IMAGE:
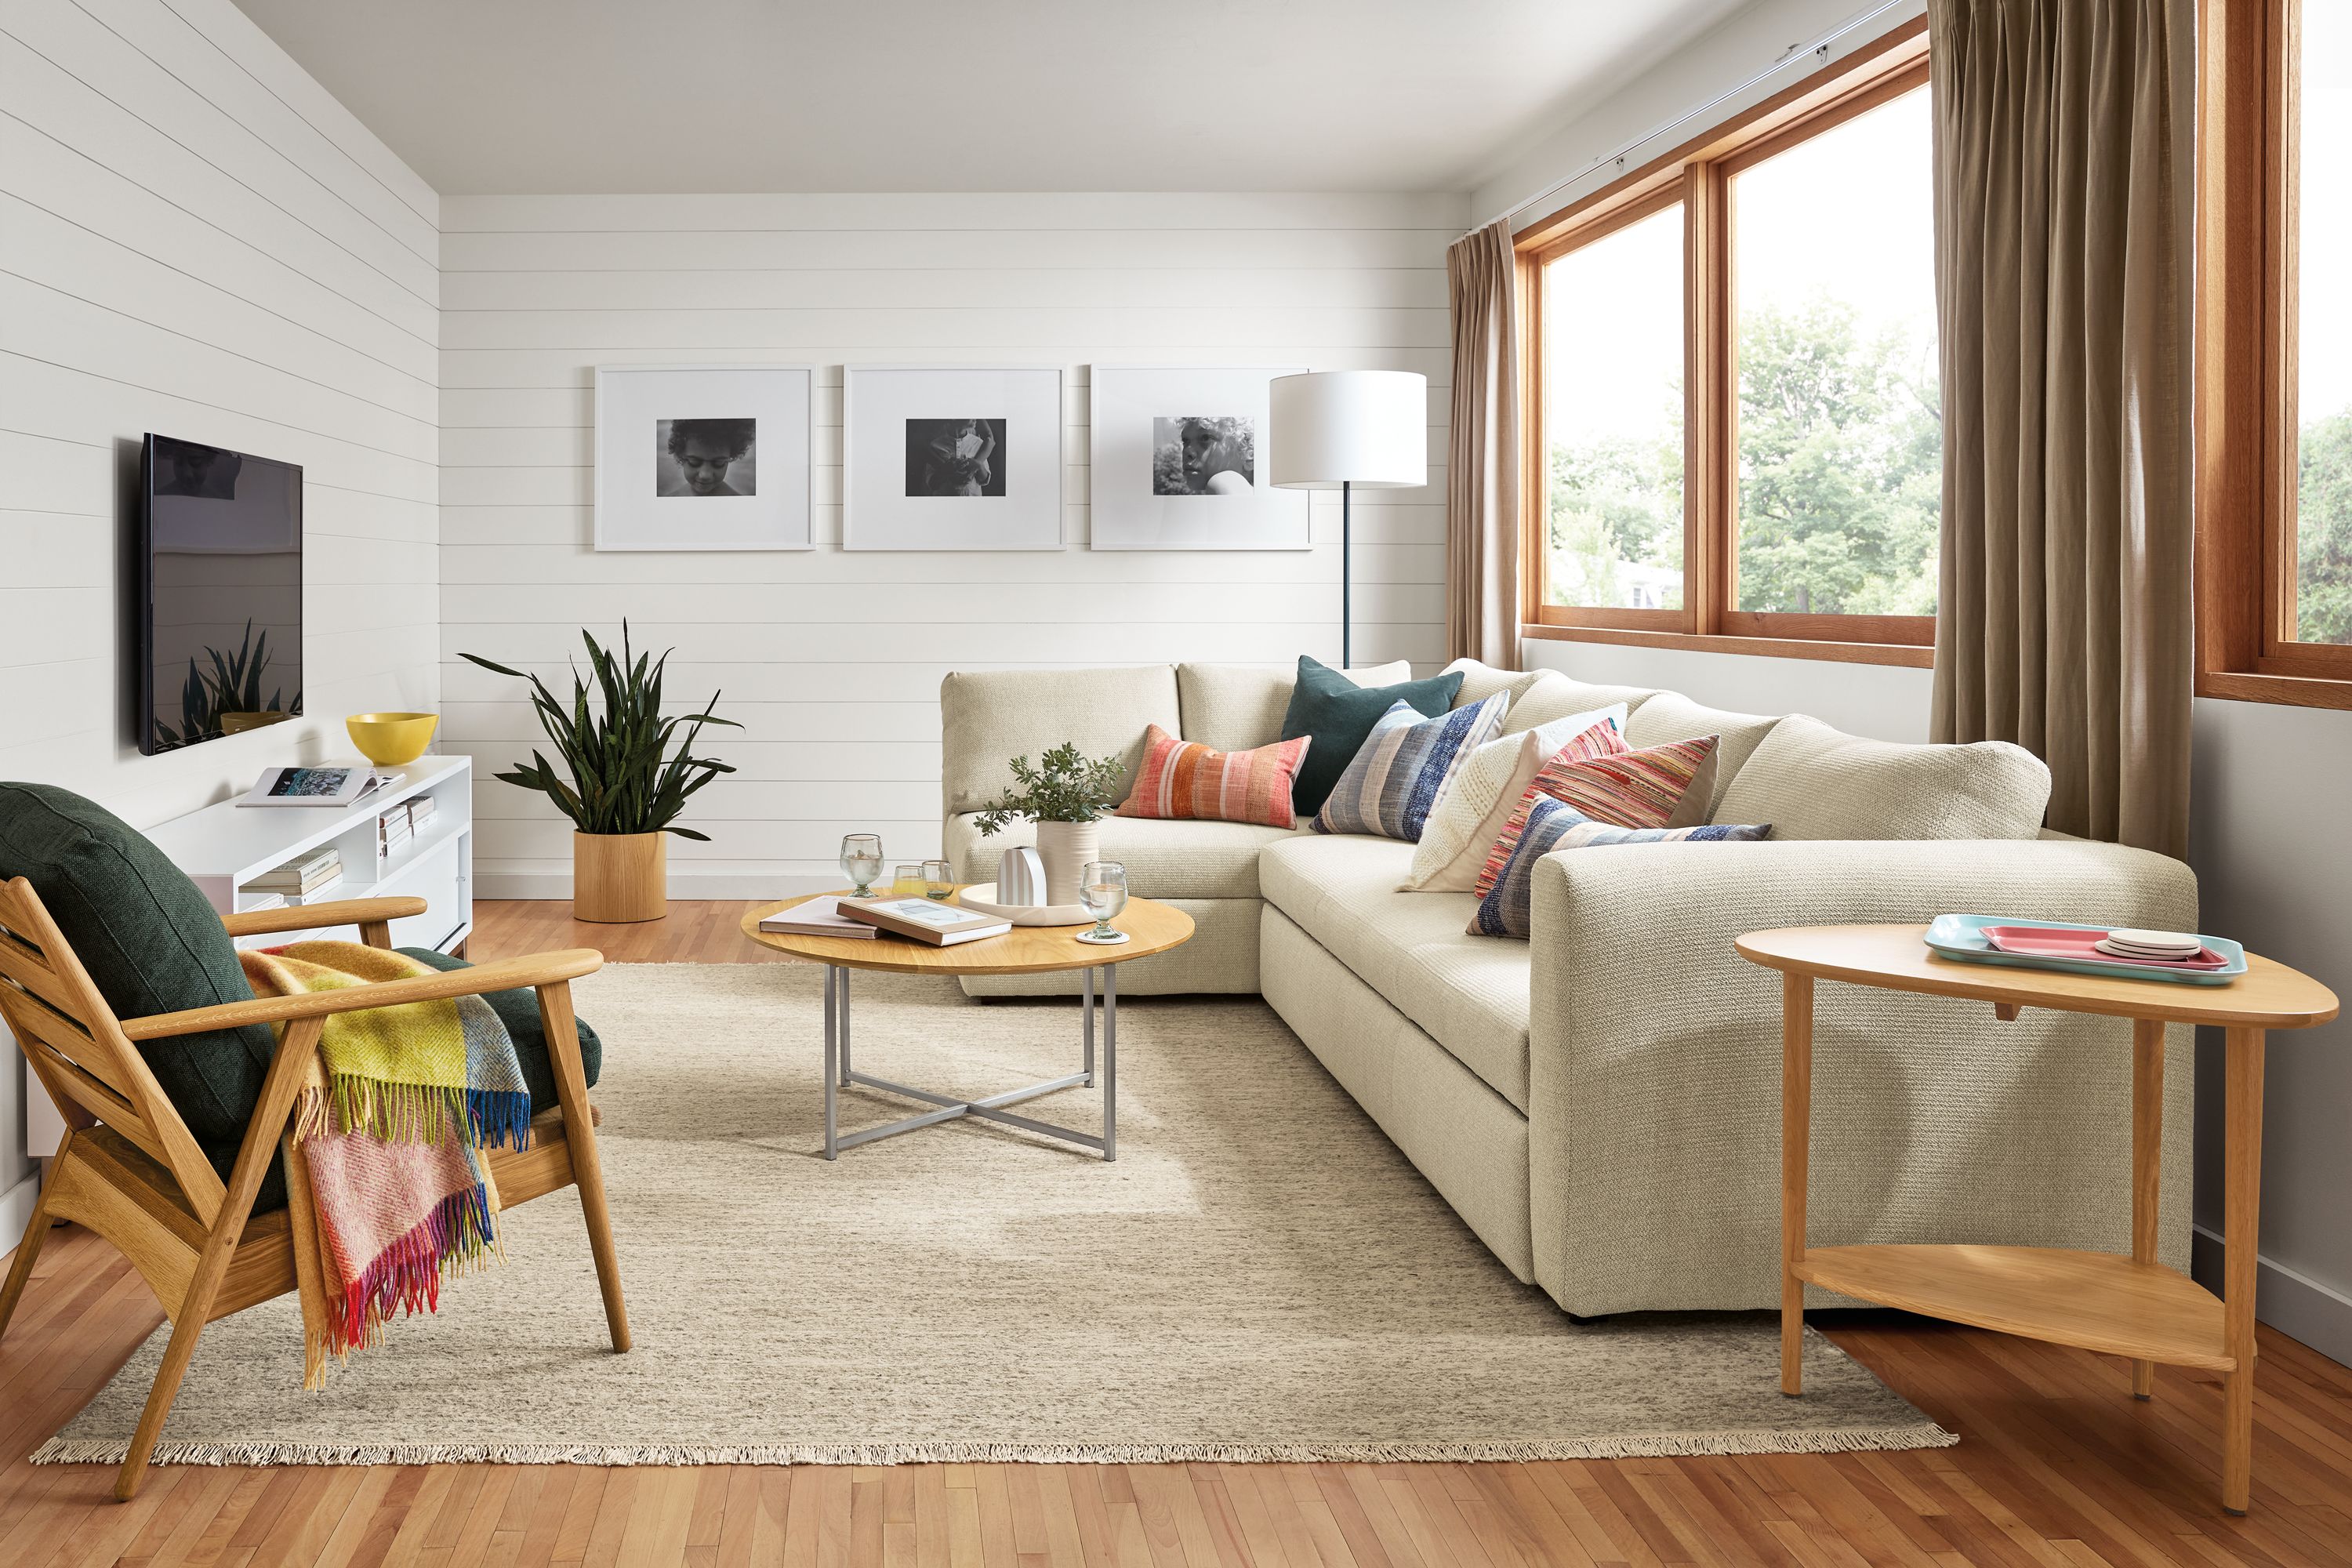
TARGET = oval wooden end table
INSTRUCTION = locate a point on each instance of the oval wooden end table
(1151, 926)
(2134, 1306)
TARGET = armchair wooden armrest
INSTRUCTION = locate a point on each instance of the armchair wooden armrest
(505, 975)
(361, 912)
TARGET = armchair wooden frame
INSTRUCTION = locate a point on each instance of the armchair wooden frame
(130, 1169)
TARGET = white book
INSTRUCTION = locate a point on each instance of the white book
(817, 917)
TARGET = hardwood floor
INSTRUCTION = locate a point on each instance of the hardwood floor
(2058, 1466)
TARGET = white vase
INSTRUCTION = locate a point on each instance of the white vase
(1021, 878)
(1067, 848)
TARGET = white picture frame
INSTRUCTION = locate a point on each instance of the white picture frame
(1148, 426)
(648, 497)
(951, 457)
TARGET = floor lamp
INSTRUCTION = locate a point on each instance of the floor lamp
(1336, 429)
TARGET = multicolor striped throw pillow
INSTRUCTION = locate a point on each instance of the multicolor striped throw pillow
(1187, 779)
(1504, 909)
(1618, 787)
(1401, 770)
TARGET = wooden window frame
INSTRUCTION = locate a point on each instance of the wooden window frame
(1697, 176)
(2246, 418)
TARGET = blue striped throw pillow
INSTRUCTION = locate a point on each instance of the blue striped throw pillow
(1556, 825)
(1403, 769)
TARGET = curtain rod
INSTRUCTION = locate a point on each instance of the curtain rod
(1819, 47)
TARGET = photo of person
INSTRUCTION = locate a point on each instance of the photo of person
(1204, 455)
(706, 457)
(955, 457)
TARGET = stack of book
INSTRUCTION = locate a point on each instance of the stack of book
(304, 880)
(817, 917)
(920, 919)
(420, 815)
(392, 831)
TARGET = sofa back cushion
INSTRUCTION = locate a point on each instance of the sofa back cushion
(1236, 707)
(1480, 680)
(149, 942)
(989, 717)
(1670, 716)
(1550, 697)
(1809, 780)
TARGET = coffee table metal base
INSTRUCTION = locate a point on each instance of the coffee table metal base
(839, 1075)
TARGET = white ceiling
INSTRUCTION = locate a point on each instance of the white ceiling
(609, 96)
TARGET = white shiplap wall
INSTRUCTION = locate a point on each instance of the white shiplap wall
(834, 661)
(196, 240)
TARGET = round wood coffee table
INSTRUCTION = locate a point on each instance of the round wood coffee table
(1151, 926)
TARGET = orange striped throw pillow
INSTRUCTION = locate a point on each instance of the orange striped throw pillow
(1595, 774)
(1185, 778)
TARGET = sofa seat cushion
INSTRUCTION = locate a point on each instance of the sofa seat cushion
(1164, 860)
(1812, 782)
(1468, 995)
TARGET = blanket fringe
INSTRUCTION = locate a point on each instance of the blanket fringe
(456, 1237)
(414, 1113)
(1654, 1445)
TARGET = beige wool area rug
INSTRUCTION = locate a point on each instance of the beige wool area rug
(1259, 1275)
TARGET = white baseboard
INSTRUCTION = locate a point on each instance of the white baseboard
(682, 885)
(15, 1210)
(2295, 1304)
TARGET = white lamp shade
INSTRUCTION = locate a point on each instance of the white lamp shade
(1366, 427)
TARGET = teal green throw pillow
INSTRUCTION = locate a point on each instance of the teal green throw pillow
(151, 944)
(1339, 715)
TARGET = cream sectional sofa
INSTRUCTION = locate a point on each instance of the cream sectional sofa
(1601, 1104)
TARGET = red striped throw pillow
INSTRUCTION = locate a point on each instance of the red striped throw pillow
(1598, 776)
(1187, 779)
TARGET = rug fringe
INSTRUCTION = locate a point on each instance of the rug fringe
(1656, 1446)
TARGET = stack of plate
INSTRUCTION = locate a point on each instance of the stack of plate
(2150, 946)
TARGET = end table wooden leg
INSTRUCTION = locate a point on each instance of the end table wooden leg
(2241, 1234)
(1796, 1132)
(2148, 1160)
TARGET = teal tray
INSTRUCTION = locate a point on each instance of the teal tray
(1962, 937)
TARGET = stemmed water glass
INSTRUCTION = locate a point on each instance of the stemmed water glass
(1102, 893)
(861, 862)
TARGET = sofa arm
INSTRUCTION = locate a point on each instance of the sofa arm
(1654, 1070)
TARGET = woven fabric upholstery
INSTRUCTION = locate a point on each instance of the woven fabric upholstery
(1404, 768)
(1480, 681)
(1603, 780)
(1234, 707)
(1470, 996)
(1553, 697)
(989, 717)
(1654, 1084)
(1812, 782)
(1551, 826)
(1472, 814)
(1164, 860)
(1183, 779)
(1671, 716)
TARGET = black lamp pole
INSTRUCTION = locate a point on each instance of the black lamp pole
(1346, 551)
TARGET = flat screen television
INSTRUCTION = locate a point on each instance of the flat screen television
(220, 593)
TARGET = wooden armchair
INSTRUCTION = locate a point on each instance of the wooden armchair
(138, 1178)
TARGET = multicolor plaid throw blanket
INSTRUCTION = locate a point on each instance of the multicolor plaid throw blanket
(387, 1191)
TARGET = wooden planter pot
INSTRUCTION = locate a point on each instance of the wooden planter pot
(619, 877)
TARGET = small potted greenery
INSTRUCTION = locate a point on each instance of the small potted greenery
(1066, 794)
(626, 787)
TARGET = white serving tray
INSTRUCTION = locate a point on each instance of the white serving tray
(981, 895)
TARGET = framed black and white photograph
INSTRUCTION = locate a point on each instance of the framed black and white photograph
(952, 457)
(711, 457)
(1178, 460)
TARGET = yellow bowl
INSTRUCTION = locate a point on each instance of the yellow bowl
(388, 740)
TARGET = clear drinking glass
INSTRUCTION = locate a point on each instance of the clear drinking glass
(1102, 893)
(906, 882)
(939, 879)
(861, 861)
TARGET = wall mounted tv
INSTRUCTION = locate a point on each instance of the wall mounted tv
(220, 593)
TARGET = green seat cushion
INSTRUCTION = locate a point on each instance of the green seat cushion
(519, 1010)
(1339, 714)
(151, 943)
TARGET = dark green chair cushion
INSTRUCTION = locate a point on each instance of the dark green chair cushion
(151, 943)
(1338, 714)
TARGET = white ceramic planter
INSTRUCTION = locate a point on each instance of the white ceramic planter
(1067, 847)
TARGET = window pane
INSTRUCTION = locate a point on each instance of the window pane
(1612, 379)
(2323, 593)
(1841, 426)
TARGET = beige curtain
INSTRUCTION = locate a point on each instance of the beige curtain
(2063, 214)
(1482, 469)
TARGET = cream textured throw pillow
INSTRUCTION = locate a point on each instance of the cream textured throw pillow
(1470, 815)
